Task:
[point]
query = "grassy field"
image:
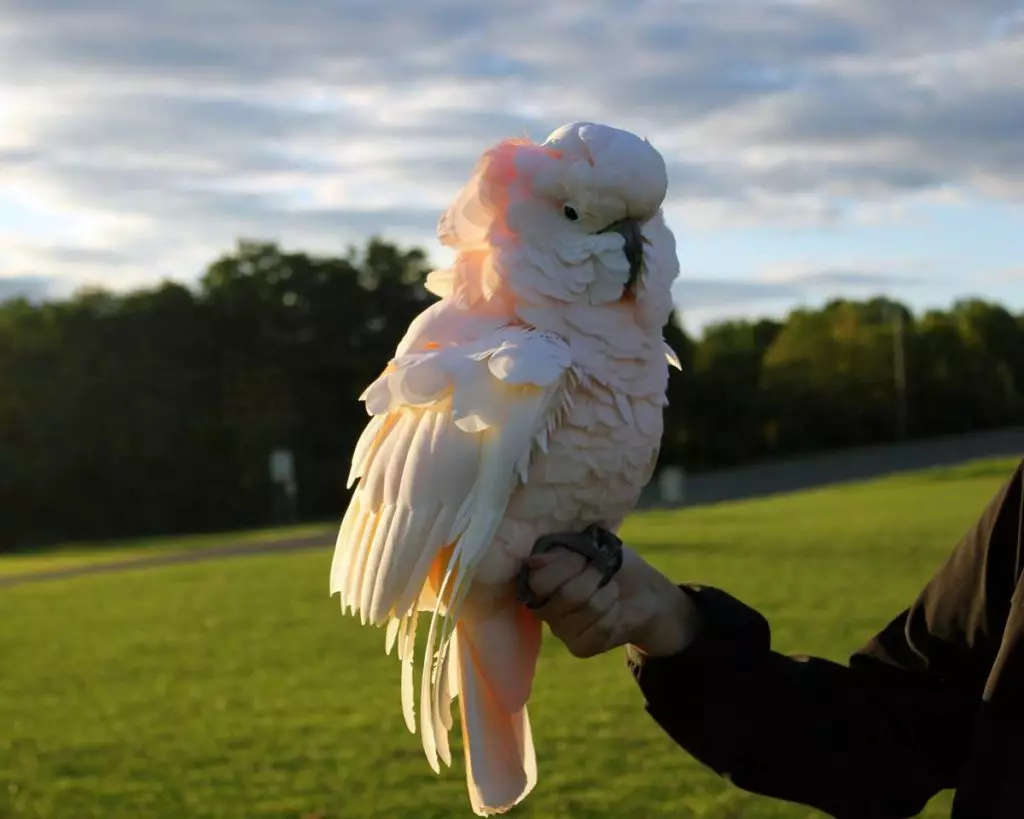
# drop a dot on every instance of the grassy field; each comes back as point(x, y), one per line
point(234, 689)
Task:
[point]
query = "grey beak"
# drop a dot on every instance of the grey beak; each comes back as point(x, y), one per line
point(632, 234)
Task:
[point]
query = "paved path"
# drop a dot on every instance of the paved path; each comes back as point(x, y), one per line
point(191, 556)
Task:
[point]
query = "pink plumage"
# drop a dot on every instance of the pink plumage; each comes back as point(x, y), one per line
point(527, 400)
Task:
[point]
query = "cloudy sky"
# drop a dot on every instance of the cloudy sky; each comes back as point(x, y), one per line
point(816, 147)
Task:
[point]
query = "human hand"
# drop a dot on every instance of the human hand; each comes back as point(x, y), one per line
point(639, 606)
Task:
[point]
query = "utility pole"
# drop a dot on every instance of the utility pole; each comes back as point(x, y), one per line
point(899, 366)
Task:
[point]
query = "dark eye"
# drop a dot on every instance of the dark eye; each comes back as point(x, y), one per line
point(570, 213)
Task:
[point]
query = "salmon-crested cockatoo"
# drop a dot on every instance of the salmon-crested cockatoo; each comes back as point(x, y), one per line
point(528, 400)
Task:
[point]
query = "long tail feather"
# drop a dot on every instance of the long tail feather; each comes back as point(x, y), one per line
point(501, 763)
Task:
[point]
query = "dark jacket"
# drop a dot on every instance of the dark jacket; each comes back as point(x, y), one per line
point(934, 701)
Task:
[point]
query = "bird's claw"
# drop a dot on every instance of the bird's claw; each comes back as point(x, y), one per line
point(599, 546)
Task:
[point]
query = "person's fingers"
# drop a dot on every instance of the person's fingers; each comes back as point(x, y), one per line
point(550, 571)
point(579, 611)
point(570, 625)
point(598, 637)
point(574, 594)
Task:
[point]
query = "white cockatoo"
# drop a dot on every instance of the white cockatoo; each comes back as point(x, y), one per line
point(527, 400)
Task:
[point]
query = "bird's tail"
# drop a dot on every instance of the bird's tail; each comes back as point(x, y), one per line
point(497, 658)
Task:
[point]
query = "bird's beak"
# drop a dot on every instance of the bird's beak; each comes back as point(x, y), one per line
point(631, 232)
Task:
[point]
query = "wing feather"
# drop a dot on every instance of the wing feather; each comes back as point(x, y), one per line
point(671, 356)
point(452, 430)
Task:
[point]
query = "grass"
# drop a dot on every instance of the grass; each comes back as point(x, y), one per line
point(234, 689)
point(75, 555)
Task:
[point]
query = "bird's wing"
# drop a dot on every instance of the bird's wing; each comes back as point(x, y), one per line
point(452, 431)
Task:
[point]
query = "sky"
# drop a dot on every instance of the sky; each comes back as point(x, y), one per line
point(816, 148)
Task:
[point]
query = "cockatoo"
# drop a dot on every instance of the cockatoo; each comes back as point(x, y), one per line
point(527, 400)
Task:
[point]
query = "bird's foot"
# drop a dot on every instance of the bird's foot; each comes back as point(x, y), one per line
point(595, 543)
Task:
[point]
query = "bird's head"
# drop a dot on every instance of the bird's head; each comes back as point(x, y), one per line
point(575, 219)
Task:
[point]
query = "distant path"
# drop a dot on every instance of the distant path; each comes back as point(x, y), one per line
point(190, 556)
point(759, 480)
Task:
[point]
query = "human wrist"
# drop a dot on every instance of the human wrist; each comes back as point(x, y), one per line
point(672, 624)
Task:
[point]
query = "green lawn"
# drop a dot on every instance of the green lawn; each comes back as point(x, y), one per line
point(234, 689)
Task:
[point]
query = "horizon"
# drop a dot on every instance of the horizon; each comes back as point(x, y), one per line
point(694, 329)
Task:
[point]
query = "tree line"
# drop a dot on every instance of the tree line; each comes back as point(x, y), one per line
point(155, 411)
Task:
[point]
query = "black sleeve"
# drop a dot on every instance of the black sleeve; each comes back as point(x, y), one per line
point(875, 738)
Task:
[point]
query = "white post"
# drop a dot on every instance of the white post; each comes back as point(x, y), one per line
point(282, 476)
point(672, 486)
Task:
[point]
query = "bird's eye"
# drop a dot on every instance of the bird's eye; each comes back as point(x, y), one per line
point(570, 213)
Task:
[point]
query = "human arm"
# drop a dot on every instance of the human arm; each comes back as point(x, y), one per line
point(875, 738)
point(853, 742)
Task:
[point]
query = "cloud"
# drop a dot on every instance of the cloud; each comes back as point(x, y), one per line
point(32, 288)
point(1012, 275)
point(910, 272)
point(701, 294)
point(161, 132)
point(839, 278)
point(792, 284)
